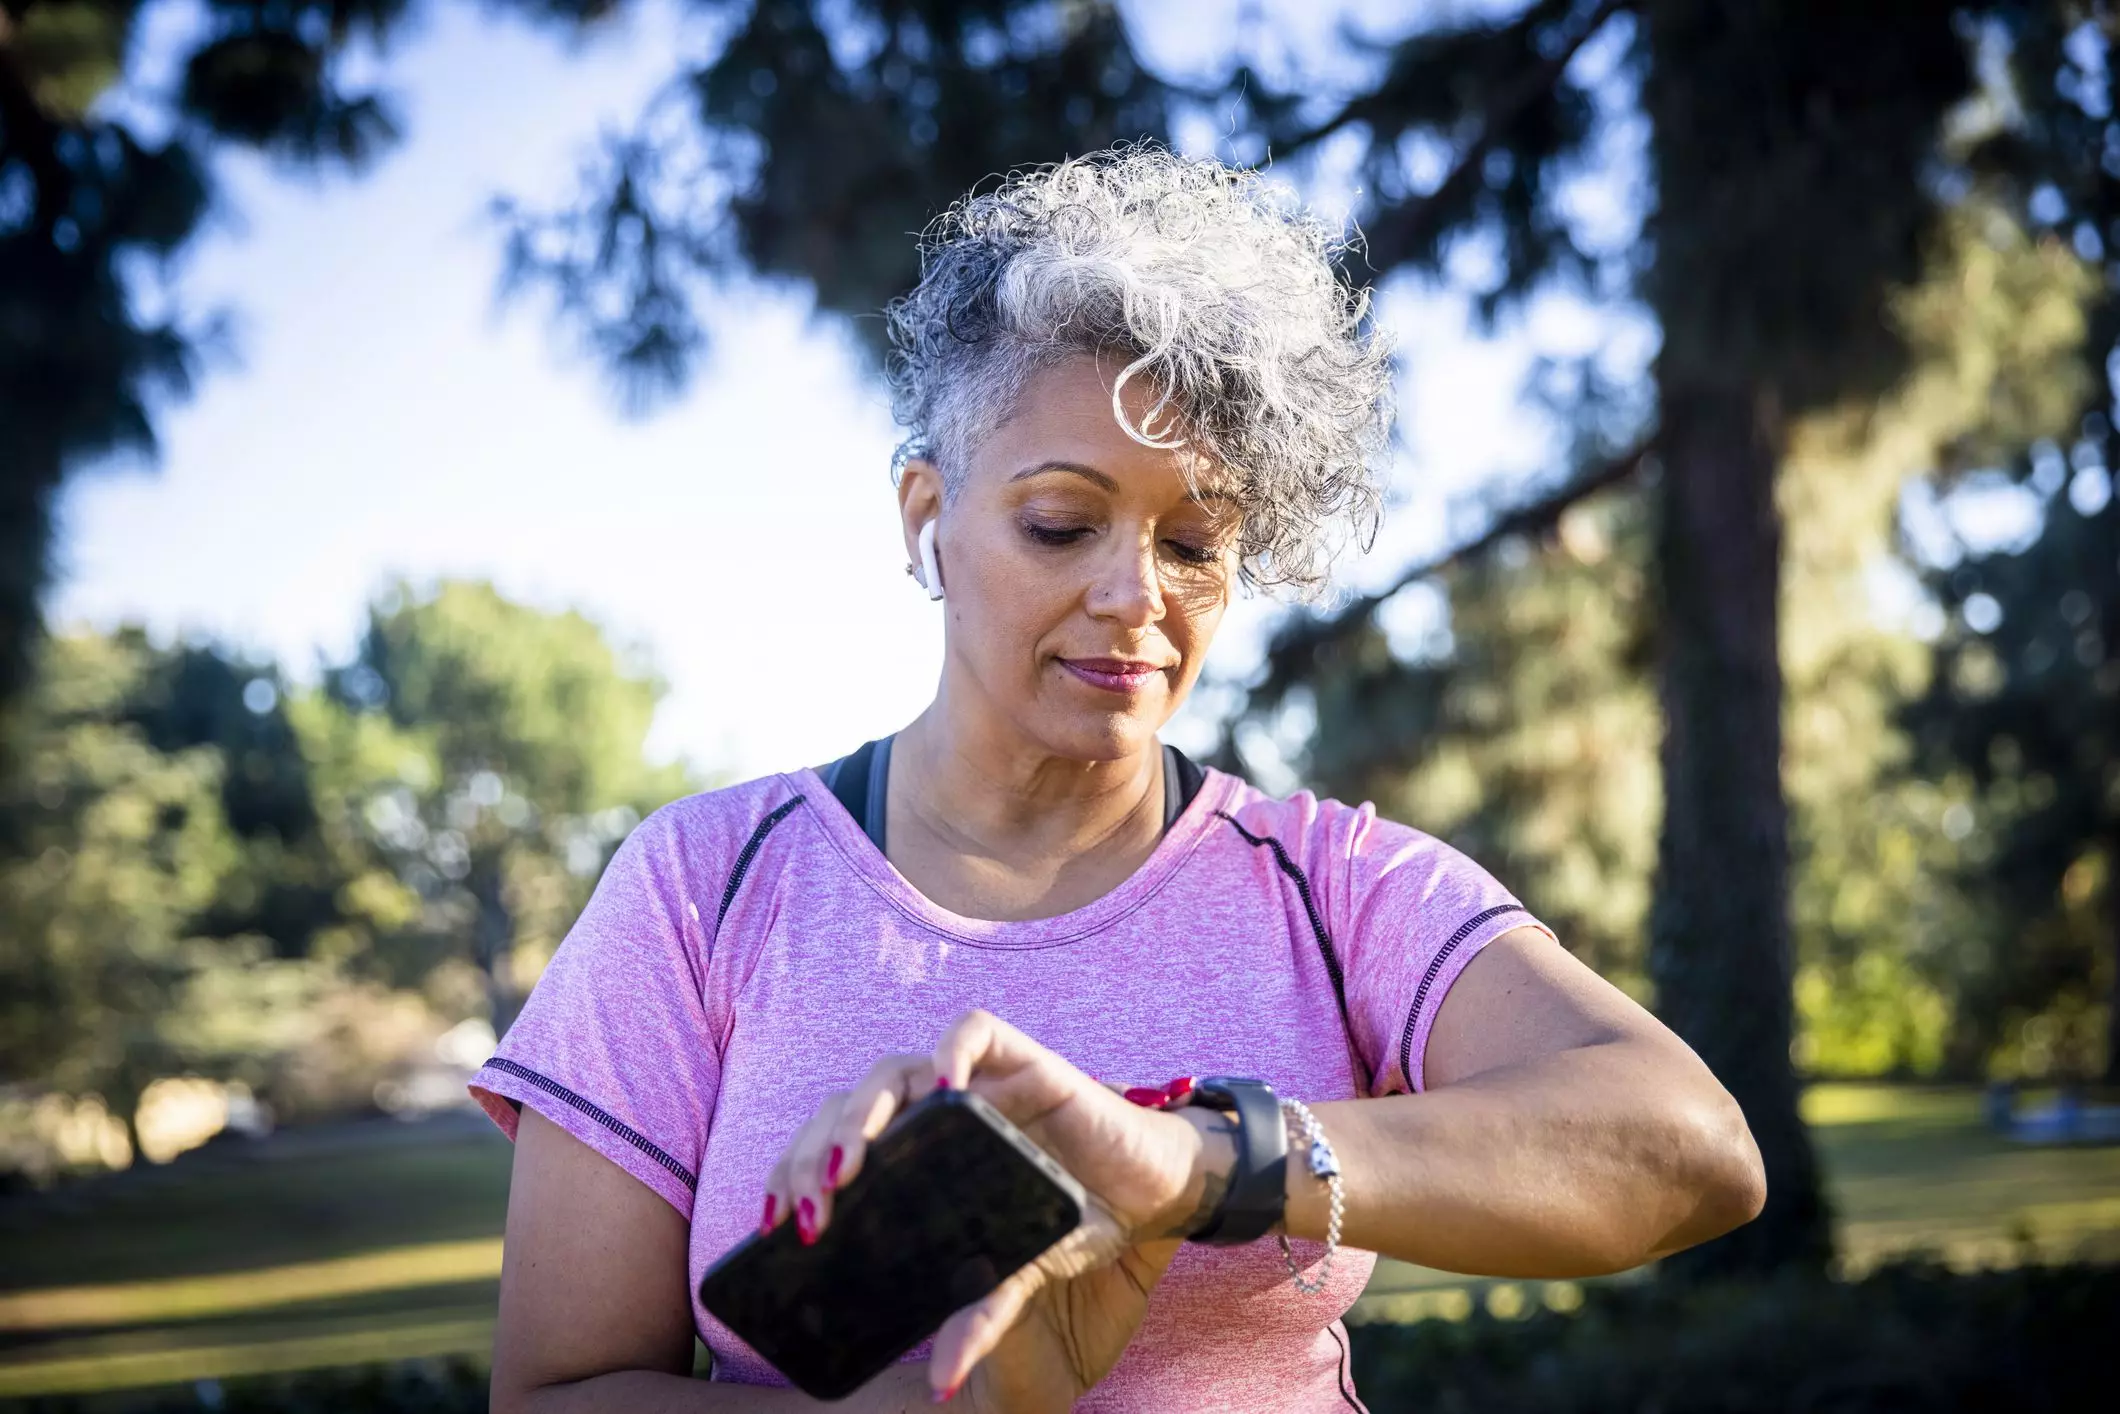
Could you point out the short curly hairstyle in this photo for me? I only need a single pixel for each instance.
(1209, 283)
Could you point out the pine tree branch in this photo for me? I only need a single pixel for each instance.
(30, 133)
(1500, 111)
(1406, 226)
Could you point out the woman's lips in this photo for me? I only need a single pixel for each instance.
(1112, 674)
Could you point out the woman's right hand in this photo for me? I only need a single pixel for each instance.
(1052, 1330)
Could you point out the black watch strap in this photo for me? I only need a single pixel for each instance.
(1258, 1187)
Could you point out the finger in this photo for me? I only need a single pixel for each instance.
(980, 1044)
(971, 1335)
(891, 1084)
(797, 1179)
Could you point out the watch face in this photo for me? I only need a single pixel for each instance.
(1219, 1091)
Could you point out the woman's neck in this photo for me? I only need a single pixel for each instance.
(990, 824)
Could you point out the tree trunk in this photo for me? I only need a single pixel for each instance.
(1719, 949)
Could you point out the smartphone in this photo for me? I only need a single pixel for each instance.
(951, 1200)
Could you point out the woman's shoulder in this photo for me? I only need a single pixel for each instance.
(721, 818)
(1318, 821)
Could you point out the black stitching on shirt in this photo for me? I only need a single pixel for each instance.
(1345, 1392)
(601, 1115)
(1317, 922)
(1435, 968)
(750, 850)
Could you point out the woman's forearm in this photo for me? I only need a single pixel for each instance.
(1578, 1163)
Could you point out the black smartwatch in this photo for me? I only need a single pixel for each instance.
(1258, 1187)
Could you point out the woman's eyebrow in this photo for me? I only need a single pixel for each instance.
(1089, 472)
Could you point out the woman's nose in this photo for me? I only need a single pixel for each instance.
(1128, 588)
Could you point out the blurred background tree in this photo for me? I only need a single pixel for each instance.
(531, 732)
(112, 850)
(207, 876)
(100, 188)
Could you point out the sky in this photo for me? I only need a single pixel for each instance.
(380, 414)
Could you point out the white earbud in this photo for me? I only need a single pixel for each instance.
(930, 572)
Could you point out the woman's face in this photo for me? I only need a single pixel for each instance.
(1083, 579)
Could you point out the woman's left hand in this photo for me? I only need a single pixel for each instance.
(1058, 1325)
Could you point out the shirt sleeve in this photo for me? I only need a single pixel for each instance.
(1412, 912)
(614, 1044)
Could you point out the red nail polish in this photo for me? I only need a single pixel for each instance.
(806, 1221)
(1178, 1089)
(942, 1082)
(772, 1206)
(1147, 1098)
(831, 1166)
(944, 1396)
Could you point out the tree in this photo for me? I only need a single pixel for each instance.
(2023, 700)
(111, 848)
(1521, 727)
(519, 742)
(92, 202)
(2025, 682)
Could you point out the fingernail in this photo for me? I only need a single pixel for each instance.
(942, 1082)
(772, 1206)
(1178, 1089)
(806, 1221)
(831, 1166)
(944, 1396)
(1147, 1098)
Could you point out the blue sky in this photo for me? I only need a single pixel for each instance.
(382, 416)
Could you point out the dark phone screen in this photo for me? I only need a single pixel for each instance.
(950, 1201)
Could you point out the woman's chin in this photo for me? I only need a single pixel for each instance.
(1112, 735)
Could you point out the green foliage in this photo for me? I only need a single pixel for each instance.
(1530, 743)
(519, 738)
(113, 848)
(207, 875)
(2025, 705)
(1906, 1337)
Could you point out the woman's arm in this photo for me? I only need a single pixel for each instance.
(595, 1308)
(1565, 1132)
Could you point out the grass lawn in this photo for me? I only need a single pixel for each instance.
(377, 1240)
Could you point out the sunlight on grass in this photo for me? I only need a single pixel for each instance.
(186, 1298)
(179, 1361)
(1832, 1103)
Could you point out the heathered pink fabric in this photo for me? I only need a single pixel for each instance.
(749, 950)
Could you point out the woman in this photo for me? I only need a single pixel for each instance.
(1132, 381)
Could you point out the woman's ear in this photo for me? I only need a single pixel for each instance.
(919, 506)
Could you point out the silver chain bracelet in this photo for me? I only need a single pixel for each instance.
(1324, 1164)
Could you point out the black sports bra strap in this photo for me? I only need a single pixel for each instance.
(848, 780)
(1182, 780)
(860, 782)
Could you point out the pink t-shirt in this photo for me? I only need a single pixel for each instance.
(749, 950)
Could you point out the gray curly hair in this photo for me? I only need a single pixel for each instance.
(1213, 287)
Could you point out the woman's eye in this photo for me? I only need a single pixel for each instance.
(1054, 534)
(1193, 554)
